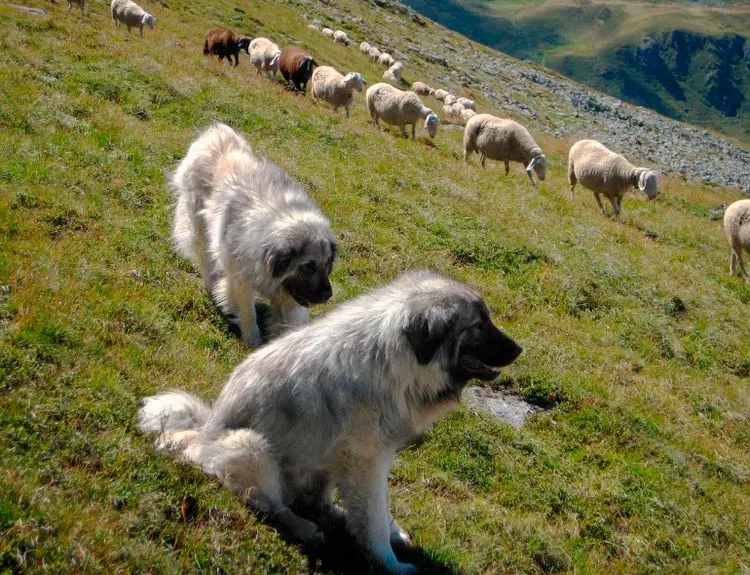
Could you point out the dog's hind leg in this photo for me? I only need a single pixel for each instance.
(241, 459)
(363, 482)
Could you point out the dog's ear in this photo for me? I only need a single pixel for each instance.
(278, 260)
(425, 333)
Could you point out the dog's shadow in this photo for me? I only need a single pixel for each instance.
(341, 555)
(232, 325)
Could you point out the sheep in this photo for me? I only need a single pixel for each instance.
(340, 37)
(364, 47)
(81, 4)
(604, 172)
(467, 104)
(327, 32)
(449, 100)
(466, 115)
(264, 55)
(225, 43)
(440, 94)
(504, 140)
(737, 228)
(452, 113)
(393, 74)
(385, 59)
(399, 109)
(329, 85)
(296, 65)
(373, 53)
(313, 27)
(422, 89)
(130, 14)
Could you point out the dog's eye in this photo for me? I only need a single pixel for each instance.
(308, 268)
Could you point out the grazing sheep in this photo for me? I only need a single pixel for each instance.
(449, 100)
(130, 14)
(340, 37)
(296, 65)
(399, 109)
(452, 114)
(466, 115)
(364, 47)
(327, 32)
(468, 104)
(385, 59)
(81, 4)
(604, 172)
(737, 228)
(265, 55)
(440, 94)
(422, 89)
(329, 85)
(374, 54)
(225, 43)
(506, 141)
(393, 74)
(313, 27)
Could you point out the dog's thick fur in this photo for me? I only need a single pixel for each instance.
(252, 229)
(328, 405)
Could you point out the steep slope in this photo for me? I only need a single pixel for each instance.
(635, 336)
(683, 60)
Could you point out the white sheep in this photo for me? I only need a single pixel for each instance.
(466, 115)
(327, 32)
(264, 55)
(449, 100)
(329, 85)
(130, 14)
(422, 89)
(506, 141)
(364, 47)
(604, 172)
(452, 113)
(737, 228)
(340, 37)
(385, 59)
(313, 27)
(374, 53)
(400, 109)
(466, 103)
(393, 74)
(440, 94)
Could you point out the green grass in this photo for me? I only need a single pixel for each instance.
(634, 333)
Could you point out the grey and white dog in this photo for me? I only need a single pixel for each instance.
(252, 229)
(328, 405)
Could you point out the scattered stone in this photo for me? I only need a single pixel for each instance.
(29, 9)
(509, 409)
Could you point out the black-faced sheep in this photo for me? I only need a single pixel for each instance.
(506, 141)
(296, 65)
(603, 171)
(225, 43)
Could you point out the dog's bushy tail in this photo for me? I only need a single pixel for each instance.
(170, 414)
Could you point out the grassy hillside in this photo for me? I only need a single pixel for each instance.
(600, 44)
(635, 336)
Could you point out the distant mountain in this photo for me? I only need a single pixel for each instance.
(687, 60)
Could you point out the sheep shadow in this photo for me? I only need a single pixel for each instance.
(341, 555)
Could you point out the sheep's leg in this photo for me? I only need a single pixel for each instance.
(507, 169)
(347, 112)
(741, 263)
(615, 206)
(403, 132)
(733, 263)
(599, 201)
(481, 159)
(141, 28)
(413, 131)
(572, 180)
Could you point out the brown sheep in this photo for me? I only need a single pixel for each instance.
(225, 43)
(296, 65)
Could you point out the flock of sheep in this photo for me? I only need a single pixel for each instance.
(590, 163)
